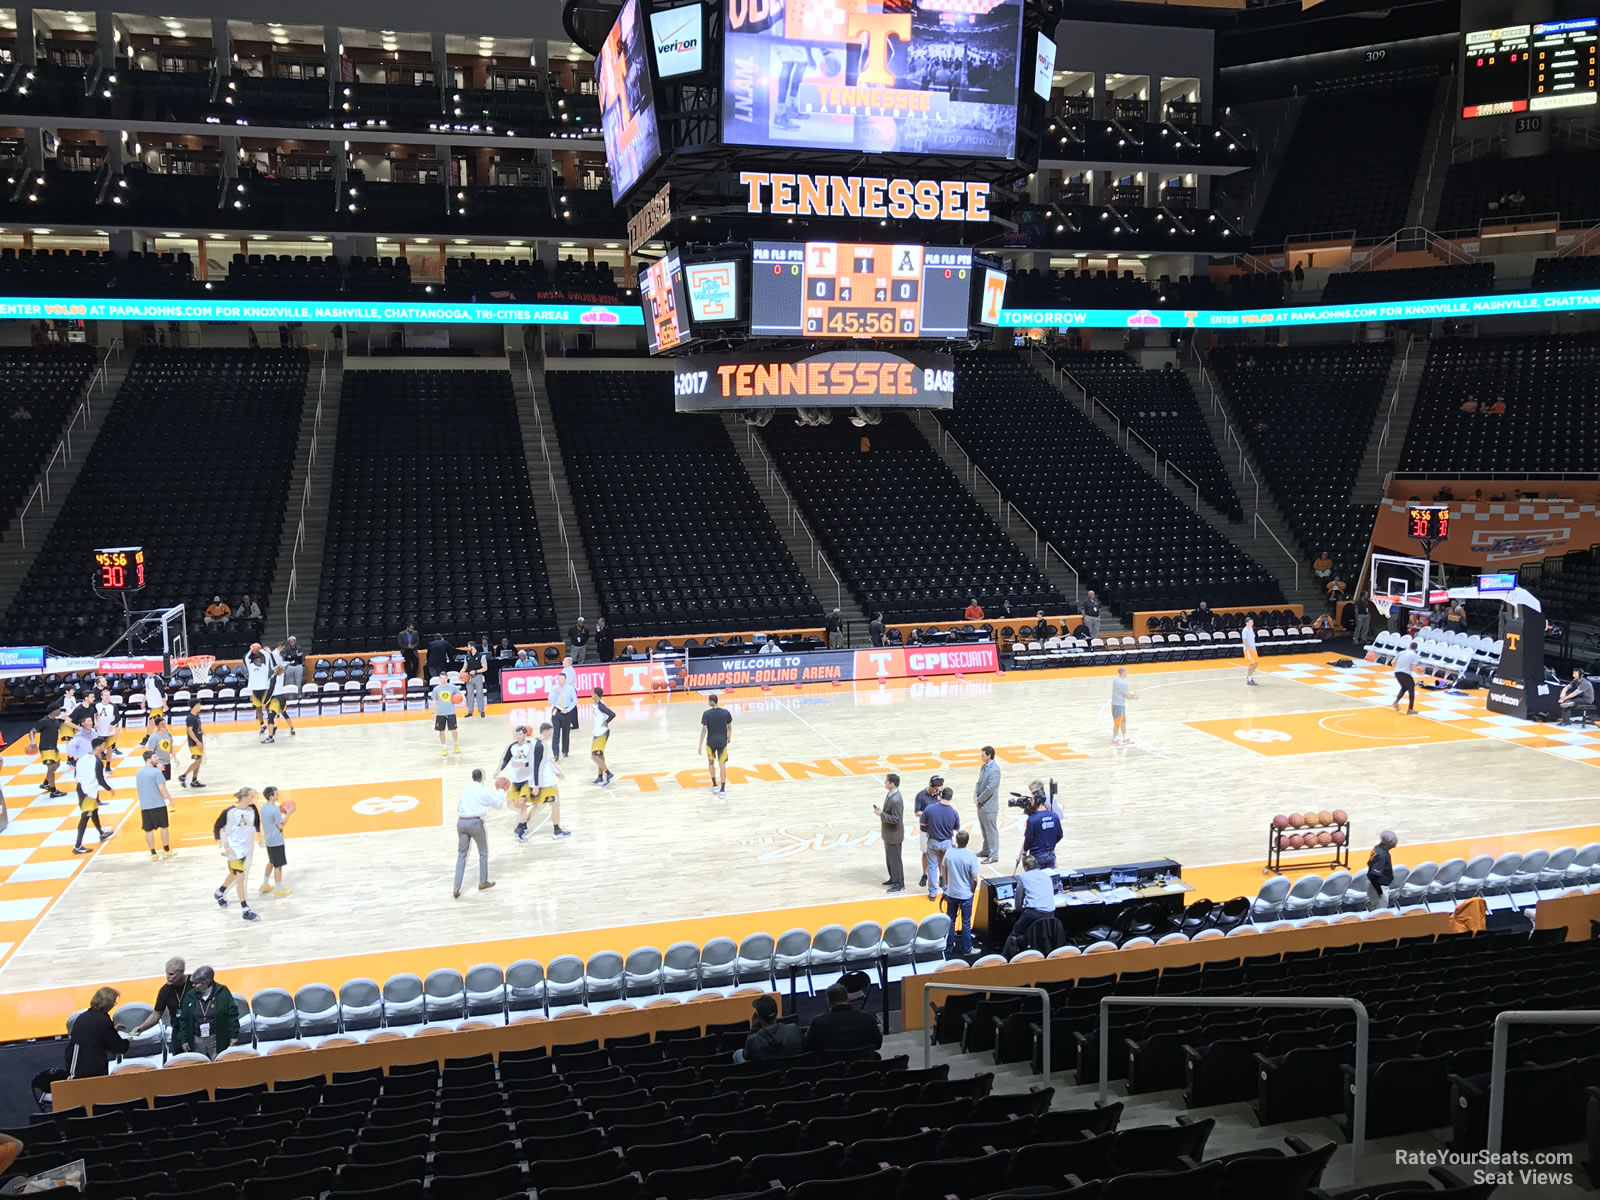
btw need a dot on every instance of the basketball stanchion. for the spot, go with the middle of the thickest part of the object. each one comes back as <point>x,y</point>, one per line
<point>1295,833</point>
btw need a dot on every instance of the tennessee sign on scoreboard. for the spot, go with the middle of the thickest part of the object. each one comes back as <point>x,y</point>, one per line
<point>840,378</point>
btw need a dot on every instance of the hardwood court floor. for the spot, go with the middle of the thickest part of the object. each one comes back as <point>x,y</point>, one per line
<point>372,847</point>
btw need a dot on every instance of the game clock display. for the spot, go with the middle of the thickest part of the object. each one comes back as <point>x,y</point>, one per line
<point>1428,523</point>
<point>119,569</point>
<point>859,290</point>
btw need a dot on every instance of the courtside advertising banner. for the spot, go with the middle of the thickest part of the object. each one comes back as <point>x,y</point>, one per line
<point>540,683</point>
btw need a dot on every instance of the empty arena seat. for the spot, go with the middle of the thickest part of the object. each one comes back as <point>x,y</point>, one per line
<point>43,386</point>
<point>884,515</point>
<point>1079,488</point>
<point>225,422</point>
<point>431,514</point>
<point>678,538</point>
<point>1412,283</point>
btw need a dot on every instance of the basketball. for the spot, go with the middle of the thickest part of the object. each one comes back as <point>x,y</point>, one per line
<point>255,647</point>
<point>1340,816</point>
<point>1280,822</point>
<point>502,783</point>
<point>1324,817</point>
<point>288,807</point>
<point>1296,841</point>
<point>1324,838</point>
<point>1338,837</point>
<point>1296,820</point>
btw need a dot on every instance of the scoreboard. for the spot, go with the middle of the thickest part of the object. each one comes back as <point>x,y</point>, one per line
<point>1530,68</point>
<point>859,290</point>
<point>1428,522</point>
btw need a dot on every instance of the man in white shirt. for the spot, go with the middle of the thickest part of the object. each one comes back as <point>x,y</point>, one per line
<point>770,646</point>
<point>1405,675</point>
<point>564,711</point>
<point>476,800</point>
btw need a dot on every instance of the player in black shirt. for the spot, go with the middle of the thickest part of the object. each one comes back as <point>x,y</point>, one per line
<point>716,725</point>
<point>43,737</point>
<point>190,775</point>
<point>603,717</point>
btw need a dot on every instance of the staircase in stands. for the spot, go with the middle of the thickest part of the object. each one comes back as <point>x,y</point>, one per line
<point>20,545</point>
<point>1046,557</point>
<point>1272,124</point>
<point>305,518</point>
<point>1388,436</point>
<point>826,580</point>
<point>1423,208</point>
<point>572,587</point>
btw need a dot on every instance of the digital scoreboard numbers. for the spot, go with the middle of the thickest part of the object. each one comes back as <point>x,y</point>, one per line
<point>1530,68</point>
<point>859,290</point>
<point>1428,522</point>
<point>119,569</point>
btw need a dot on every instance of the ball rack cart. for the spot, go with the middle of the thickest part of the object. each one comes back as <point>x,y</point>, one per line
<point>1278,847</point>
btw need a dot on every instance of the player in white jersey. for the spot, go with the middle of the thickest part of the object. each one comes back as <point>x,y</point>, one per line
<point>105,719</point>
<point>94,789</point>
<point>516,767</point>
<point>280,665</point>
<point>262,678</point>
<point>603,717</point>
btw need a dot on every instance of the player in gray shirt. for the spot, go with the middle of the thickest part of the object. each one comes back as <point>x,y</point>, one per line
<point>1120,695</point>
<point>273,818</point>
<point>446,696</point>
<point>153,800</point>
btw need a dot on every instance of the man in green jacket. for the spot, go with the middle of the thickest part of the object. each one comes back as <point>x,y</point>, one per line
<point>208,1020</point>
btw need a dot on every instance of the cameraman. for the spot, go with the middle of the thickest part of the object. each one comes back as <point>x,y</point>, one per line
<point>1043,831</point>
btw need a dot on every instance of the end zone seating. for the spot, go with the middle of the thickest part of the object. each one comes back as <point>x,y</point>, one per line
<point>431,514</point>
<point>887,516</point>
<point>677,535</point>
<point>1416,283</point>
<point>224,424</point>
<point>1132,539</point>
<point>43,386</point>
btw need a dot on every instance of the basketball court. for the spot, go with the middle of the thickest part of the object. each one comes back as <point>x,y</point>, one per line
<point>657,857</point>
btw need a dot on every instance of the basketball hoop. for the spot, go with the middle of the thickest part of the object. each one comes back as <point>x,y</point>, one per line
<point>199,667</point>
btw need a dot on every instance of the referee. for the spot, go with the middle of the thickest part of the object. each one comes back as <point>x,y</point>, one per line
<point>476,799</point>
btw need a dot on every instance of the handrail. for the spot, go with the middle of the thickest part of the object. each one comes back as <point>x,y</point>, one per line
<point>63,451</point>
<point>1497,1060</point>
<point>1229,436</point>
<point>927,1014</point>
<point>1167,466</point>
<point>1394,401</point>
<point>1358,1123</point>
<point>550,481</point>
<point>1258,525</point>
<point>305,495</point>
<point>797,520</point>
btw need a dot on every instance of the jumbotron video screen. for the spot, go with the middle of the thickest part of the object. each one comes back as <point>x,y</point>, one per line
<point>879,76</point>
<point>859,290</point>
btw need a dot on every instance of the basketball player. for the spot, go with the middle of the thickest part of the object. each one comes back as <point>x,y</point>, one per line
<point>1247,639</point>
<point>546,791</point>
<point>197,748</point>
<point>153,801</point>
<point>445,695</point>
<point>262,678</point>
<point>94,787</point>
<point>236,833</point>
<point>516,765</point>
<point>603,717</point>
<point>280,668</point>
<point>69,705</point>
<point>80,745</point>
<point>273,819</point>
<point>716,731</point>
<point>1405,676</point>
<point>155,694</point>
<point>80,713</point>
<point>43,740</point>
<point>105,719</point>
<point>159,739</point>
<point>1120,695</point>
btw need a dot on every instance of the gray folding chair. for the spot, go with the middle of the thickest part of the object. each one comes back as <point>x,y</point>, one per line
<point>525,985</point>
<point>602,976</point>
<point>1473,877</point>
<point>275,1015</point>
<point>1581,871</point>
<point>899,944</point>
<point>793,953</point>
<point>316,1008</point>
<point>1555,868</point>
<point>680,967</point>
<point>642,972</point>
<point>1269,901</point>
<point>863,944</point>
<point>151,1042</point>
<point>1330,897</point>
<point>445,996</point>
<point>933,935</point>
<point>563,981</point>
<point>486,991</point>
<point>402,1000</point>
<point>1500,875</point>
<point>718,963</point>
<point>1302,895</point>
<point>754,963</point>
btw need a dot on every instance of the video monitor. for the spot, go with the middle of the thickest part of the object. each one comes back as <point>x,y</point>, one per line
<point>863,75</point>
<point>627,107</point>
<point>666,312</point>
<point>992,299</point>
<point>1044,67</point>
<point>859,290</point>
<point>713,289</point>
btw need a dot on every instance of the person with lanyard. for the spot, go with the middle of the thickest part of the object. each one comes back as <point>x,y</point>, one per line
<point>603,717</point>
<point>920,803</point>
<point>43,740</point>
<point>943,821</point>
<point>716,732</point>
<point>578,639</point>
<point>294,661</point>
<point>564,712</point>
<point>476,800</point>
<point>1091,615</point>
<point>208,1018</point>
<point>151,786</point>
<point>1247,639</point>
<point>169,1001</point>
<point>444,699</point>
<point>476,668</point>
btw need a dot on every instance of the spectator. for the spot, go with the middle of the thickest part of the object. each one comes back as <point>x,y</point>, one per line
<point>1335,588</point>
<point>438,657</point>
<point>1380,870</point>
<point>217,613</point>
<point>875,629</point>
<point>834,627</point>
<point>410,643</point>
<point>1091,615</point>
<point>959,873</point>
<point>208,1020</point>
<point>505,652</point>
<point>10,1149</point>
<point>294,662</point>
<point>605,642</point>
<point>973,611</point>
<point>1498,408</point>
<point>1455,619</point>
<point>524,659</point>
<point>1183,623</point>
<point>93,1040</point>
<point>248,609</point>
<point>578,641</point>
<point>1577,695</point>
<point>1322,567</point>
<point>769,645</point>
<point>1005,610</point>
<point>843,1029</point>
<point>169,999</point>
<point>1469,405</point>
<point>1323,627</point>
<point>1041,627</point>
<point>1299,275</point>
<point>1202,619</point>
<point>768,1038</point>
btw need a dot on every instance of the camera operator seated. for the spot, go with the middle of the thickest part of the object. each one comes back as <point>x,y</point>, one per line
<point>1043,832</point>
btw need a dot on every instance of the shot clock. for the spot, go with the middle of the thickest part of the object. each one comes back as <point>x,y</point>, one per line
<point>1428,522</point>
<point>119,569</point>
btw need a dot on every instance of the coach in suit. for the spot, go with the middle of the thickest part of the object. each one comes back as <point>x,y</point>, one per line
<point>987,796</point>
<point>892,829</point>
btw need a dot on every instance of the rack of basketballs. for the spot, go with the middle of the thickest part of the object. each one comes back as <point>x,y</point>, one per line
<point>1315,835</point>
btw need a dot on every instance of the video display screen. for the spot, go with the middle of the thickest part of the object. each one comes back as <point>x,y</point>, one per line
<point>627,109</point>
<point>859,290</point>
<point>713,289</point>
<point>666,312</point>
<point>1530,68</point>
<point>1044,67</point>
<point>992,300</point>
<point>877,76</point>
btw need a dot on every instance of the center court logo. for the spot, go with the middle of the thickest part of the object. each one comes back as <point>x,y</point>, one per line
<point>1262,735</point>
<point>376,806</point>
